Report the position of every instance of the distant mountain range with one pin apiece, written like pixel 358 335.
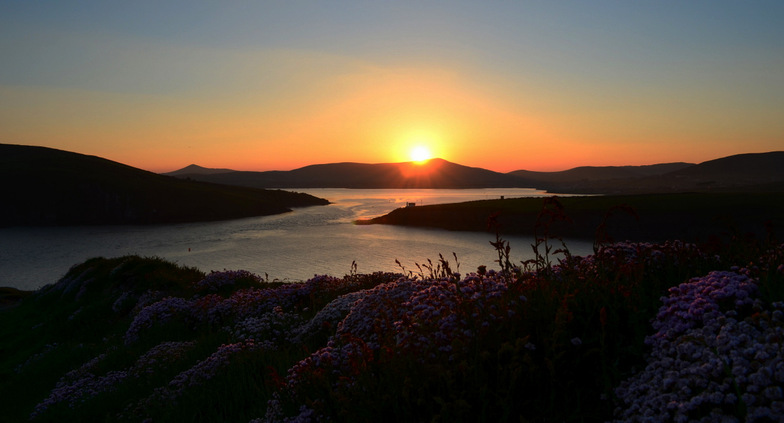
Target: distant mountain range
pixel 753 172
pixel 435 173
pixel 745 172
pixel 588 175
pixel 44 186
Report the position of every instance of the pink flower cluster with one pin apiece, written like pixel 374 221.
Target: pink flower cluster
pixel 328 318
pixel 156 313
pixel 244 304
pixel 341 362
pixel 160 356
pixel 215 281
pixel 256 302
pixel 717 356
pixel 273 327
pixel 445 311
pixel 690 303
pixel 413 318
pixel 202 371
pixel 83 383
pixel 652 256
pixel 256 317
pixel 372 318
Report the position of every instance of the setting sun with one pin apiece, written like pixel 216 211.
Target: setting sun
pixel 420 154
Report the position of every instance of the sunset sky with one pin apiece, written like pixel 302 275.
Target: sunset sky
pixel 506 85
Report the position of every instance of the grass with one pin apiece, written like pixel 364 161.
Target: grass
pixel 552 339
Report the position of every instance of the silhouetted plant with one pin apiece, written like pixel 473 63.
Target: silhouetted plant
pixel 552 212
pixel 501 246
pixel 440 270
pixel 406 272
pixel 602 236
pixel 430 270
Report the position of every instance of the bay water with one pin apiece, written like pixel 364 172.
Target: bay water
pixel 292 246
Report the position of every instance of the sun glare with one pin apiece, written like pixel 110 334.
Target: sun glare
pixel 420 154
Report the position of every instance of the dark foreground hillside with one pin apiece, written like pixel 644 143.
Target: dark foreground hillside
pixel 43 186
pixel 636 332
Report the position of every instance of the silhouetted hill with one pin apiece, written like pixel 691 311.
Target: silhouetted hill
pixel 759 172
pixel 435 173
pixel 735 171
pixel 597 173
pixel 44 186
pixel 197 170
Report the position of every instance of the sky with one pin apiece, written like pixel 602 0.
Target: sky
pixel 502 85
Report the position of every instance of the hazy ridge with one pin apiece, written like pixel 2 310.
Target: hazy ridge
pixel 436 173
pixel 743 172
pixel 758 172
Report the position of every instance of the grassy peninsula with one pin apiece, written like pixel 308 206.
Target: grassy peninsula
pixel 643 217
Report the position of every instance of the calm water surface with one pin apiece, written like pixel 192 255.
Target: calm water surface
pixel 294 246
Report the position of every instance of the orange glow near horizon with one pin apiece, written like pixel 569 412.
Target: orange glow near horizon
pixel 420 154
pixel 369 115
pixel 420 171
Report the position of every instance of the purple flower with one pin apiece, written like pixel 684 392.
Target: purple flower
pixel 156 313
pixel 201 372
pixel 703 353
pixel 215 281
